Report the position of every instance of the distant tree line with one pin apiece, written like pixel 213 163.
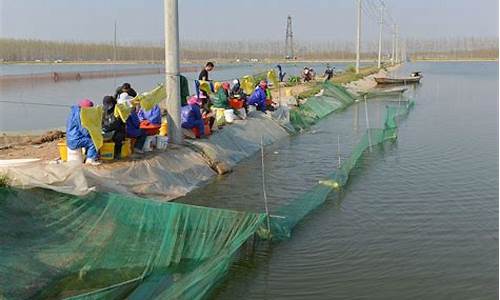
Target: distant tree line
pixel 452 48
pixel 444 48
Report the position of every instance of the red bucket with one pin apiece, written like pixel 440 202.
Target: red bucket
pixel 235 103
pixel 196 132
pixel 207 130
pixel 150 129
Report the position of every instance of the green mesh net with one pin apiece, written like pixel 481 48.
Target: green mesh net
pixel 286 217
pixel 334 97
pixel 107 246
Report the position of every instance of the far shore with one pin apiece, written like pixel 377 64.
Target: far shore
pixel 232 61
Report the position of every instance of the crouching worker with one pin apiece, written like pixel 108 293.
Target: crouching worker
pixel 191 116
pixel 113 127
pixel 236 91
pixel 259 96
pixel 152 116
pixel 77 136
pixel 150 120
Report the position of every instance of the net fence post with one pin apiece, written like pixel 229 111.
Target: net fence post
pixel 338 151
pixel 266 206
pixel 368 125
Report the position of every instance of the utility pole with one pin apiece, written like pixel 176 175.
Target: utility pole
pixel 358 37
pixel 397 44
pixel 172 76
pixel 403 51
pixel 379 63
pixel 393 44
pixel 289 39
pixel 114 57
pixel 114 45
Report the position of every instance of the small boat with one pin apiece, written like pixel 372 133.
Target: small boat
pixel 414 78
pixel 374 93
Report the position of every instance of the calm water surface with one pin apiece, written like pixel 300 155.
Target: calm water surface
pixel 418 219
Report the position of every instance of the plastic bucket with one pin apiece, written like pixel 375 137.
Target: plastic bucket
pixel 164 129
pixel 126 148
pixel 63 151
pixel 161 142
pixel 149 143
pixel 229 115
pixel 242 113
pixel 207 129
pixel 74 155
pixel 220 118
pixel 235 103
pixel 196 132
pixel 150 129
pixel 107 151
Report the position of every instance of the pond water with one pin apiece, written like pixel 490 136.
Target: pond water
pixel 418 219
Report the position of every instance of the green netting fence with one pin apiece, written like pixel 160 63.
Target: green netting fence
pixel 107 246
pixel 286 217
pixel 334 97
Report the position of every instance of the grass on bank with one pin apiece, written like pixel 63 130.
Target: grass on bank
pixel 4 180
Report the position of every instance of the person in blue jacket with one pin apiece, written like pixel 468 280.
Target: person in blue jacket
pixel 77 136
pixel 152 116
pixel 191 116
pixel 258 97
pixel 133 124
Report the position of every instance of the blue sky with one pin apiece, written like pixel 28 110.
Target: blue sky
pixel 330 20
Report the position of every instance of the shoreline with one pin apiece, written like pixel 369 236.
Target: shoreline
pixel 11 139
pixel 294 90
pixel 233 62
pixel 19 144
pixel 456 60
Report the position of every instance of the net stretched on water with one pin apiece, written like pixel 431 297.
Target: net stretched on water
pixel 106 246
pixel 290 214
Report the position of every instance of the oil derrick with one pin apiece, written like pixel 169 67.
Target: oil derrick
pixel 289 39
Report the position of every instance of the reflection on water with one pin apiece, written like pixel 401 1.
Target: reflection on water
pixel 418 219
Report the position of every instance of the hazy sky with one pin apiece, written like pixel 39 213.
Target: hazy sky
pixel 92 20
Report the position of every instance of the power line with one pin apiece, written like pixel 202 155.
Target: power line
pixel 36 103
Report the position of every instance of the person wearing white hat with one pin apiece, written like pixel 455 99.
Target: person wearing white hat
pixel 236 91
pixel 133 123
pixel 124 98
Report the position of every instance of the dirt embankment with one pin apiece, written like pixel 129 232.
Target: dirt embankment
pixel 31 146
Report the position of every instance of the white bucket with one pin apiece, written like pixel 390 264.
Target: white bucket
pixel 161 142
pixel 229 115
pixel 149 144
pixel 75 155
pixel 242 113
